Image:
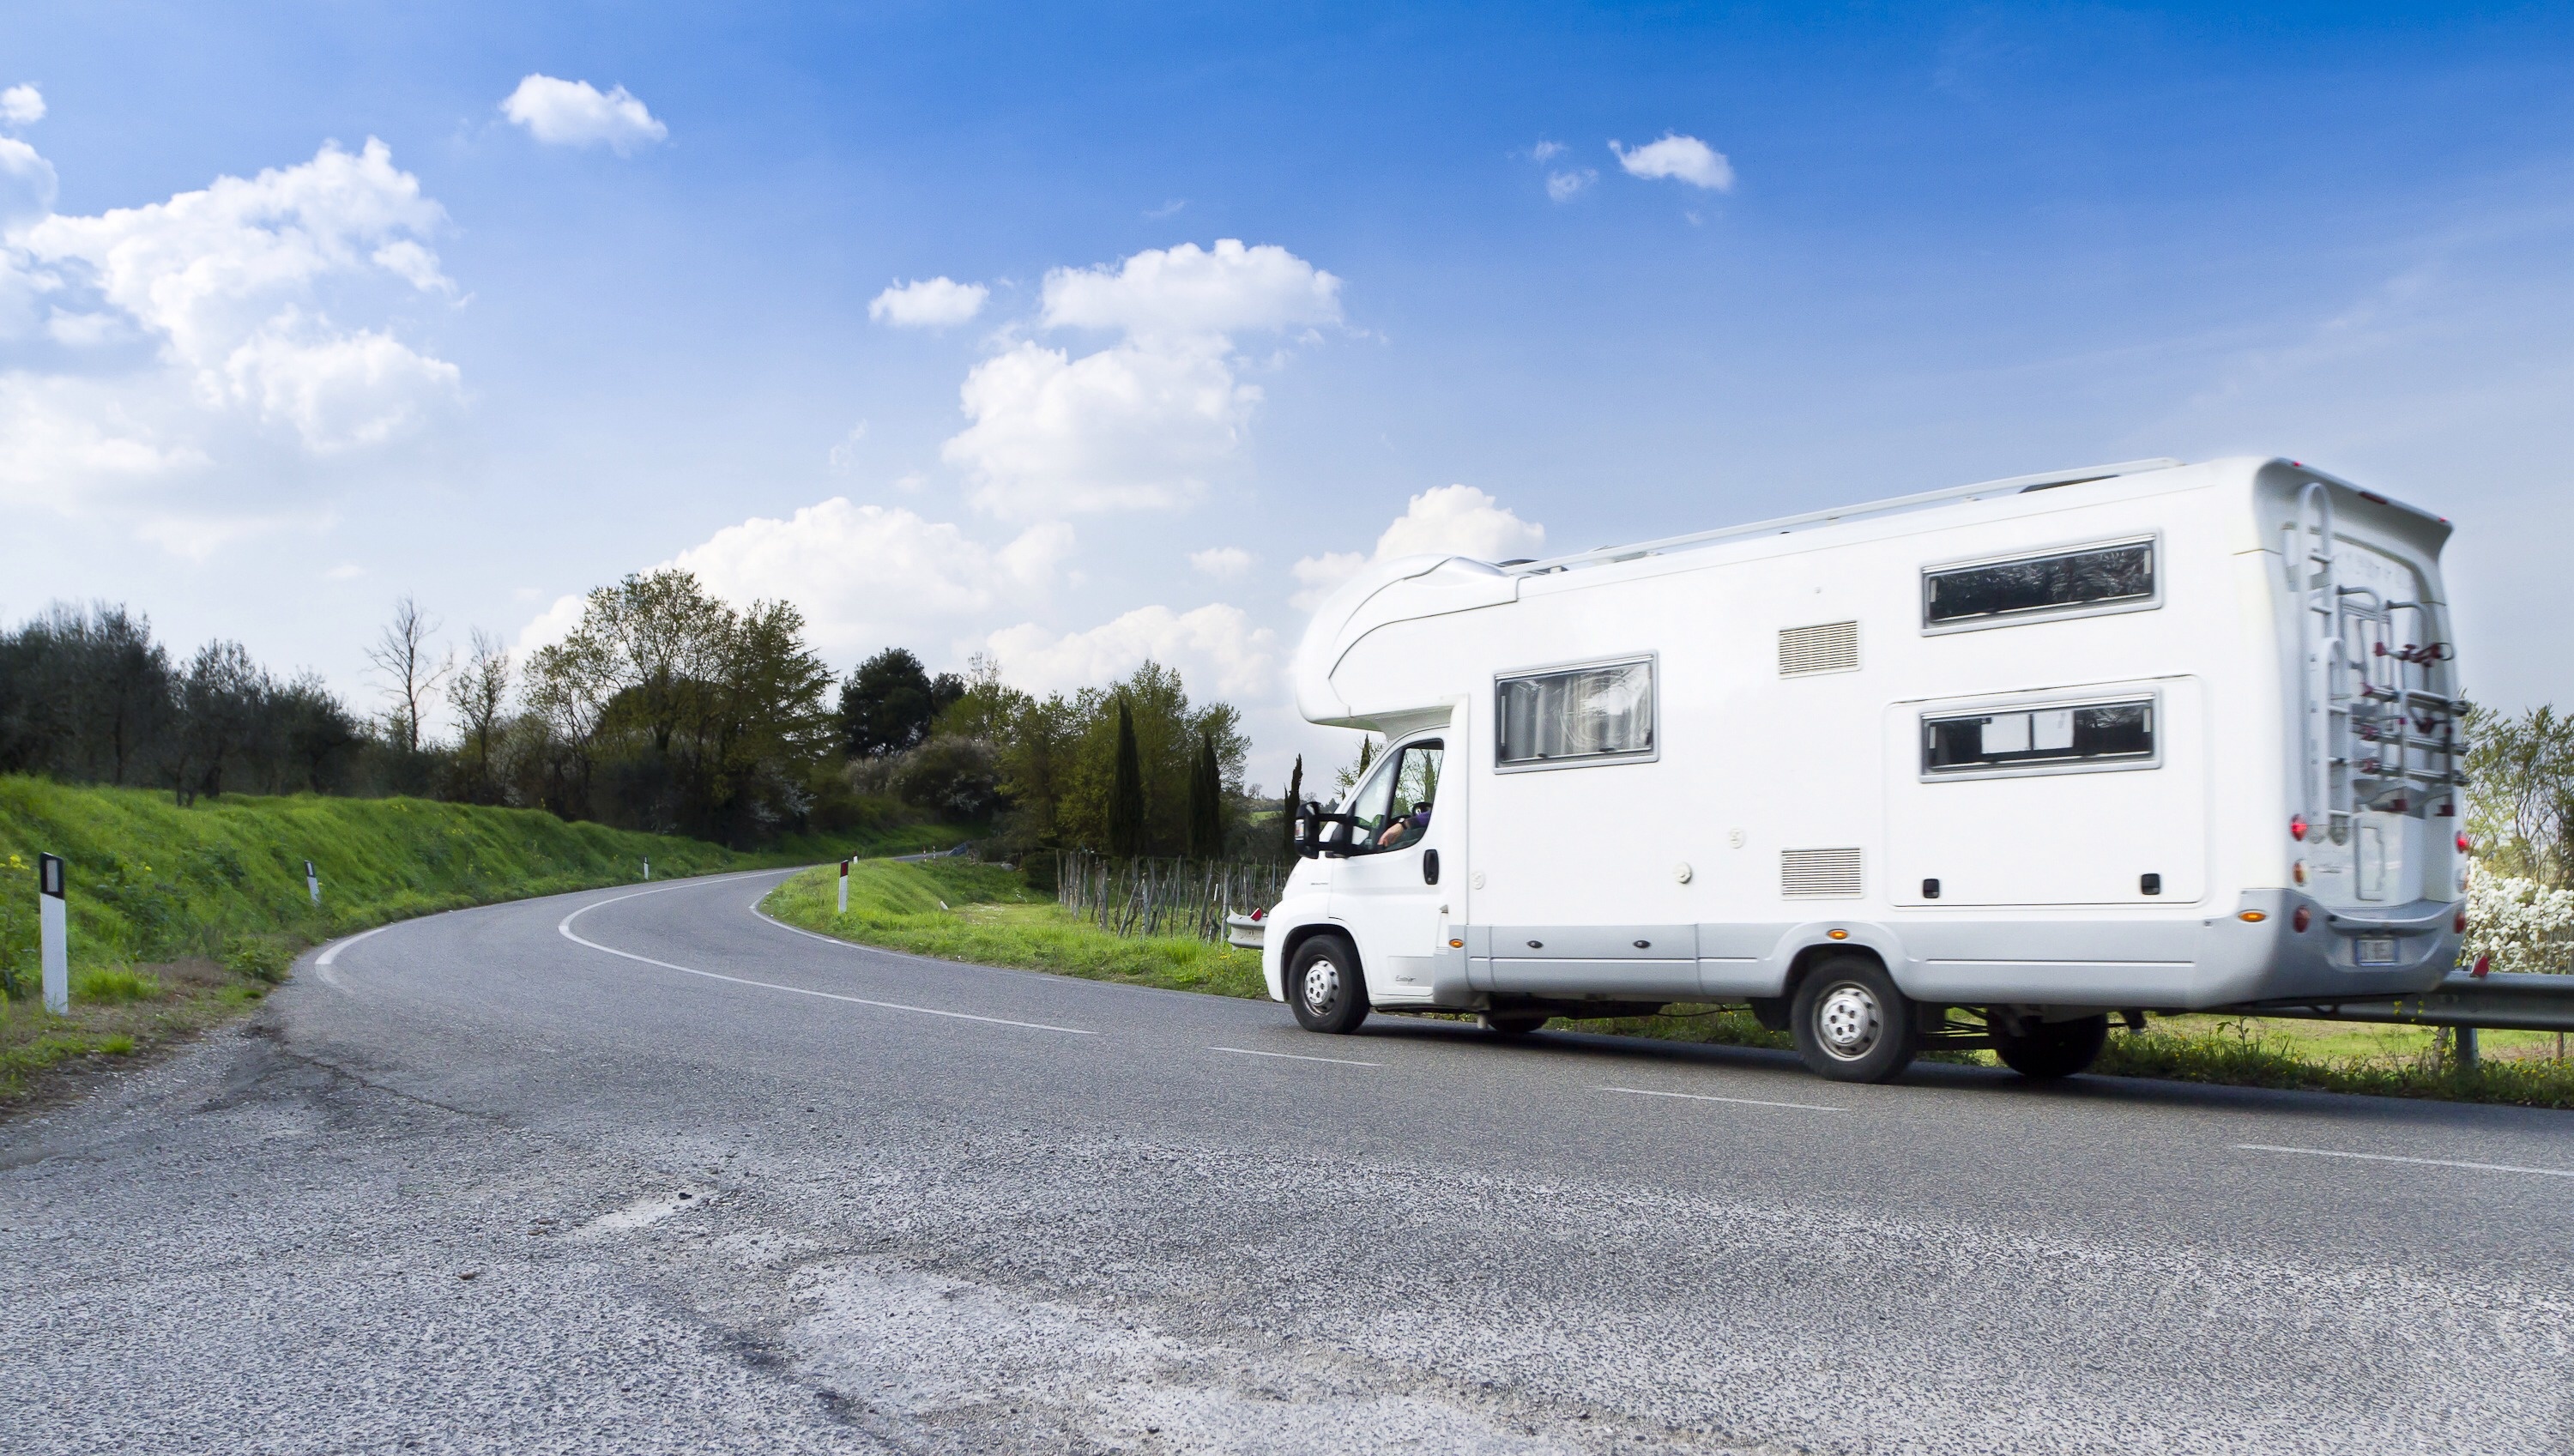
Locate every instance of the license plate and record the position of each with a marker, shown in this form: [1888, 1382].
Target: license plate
[2377, 951]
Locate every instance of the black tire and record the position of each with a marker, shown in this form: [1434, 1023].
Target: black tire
[1326, 988]
[1510, 1023]
[2052, 1049]
[1850, 1023]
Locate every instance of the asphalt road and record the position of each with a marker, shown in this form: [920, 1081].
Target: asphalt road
[637, 1170]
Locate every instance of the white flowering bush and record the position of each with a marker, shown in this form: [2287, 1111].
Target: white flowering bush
[2522, 924]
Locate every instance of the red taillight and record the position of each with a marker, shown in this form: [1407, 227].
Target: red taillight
[2297, 828]
[2483, 964]
[2462, 843]
[2302, 918]
[2458, 921]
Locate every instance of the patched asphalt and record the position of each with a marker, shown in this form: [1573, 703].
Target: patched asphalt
[481, 1186]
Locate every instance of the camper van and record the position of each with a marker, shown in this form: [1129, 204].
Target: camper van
[1982, 767]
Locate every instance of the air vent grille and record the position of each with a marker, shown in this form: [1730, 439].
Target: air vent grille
[1819, 873]
[1832, 647]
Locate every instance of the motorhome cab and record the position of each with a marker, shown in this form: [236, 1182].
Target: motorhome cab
[1984, 766]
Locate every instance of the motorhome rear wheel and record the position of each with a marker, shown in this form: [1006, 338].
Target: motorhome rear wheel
[2052, 1049]
[1326, 986]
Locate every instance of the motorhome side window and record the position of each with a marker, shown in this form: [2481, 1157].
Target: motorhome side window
[2060, 583]
[2102, 733]
[1590, 714]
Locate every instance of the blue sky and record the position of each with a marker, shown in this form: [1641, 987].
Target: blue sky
[500, 361]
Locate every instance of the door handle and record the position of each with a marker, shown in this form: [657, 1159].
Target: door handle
[1429, 867]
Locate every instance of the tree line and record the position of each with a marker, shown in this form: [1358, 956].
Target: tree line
[664, 709]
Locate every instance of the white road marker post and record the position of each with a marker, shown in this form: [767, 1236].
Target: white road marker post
[54, 933]
[844, 887]
[313, 883]
[648, 871]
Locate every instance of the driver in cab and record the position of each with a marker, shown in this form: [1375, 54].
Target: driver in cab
[1407, 830]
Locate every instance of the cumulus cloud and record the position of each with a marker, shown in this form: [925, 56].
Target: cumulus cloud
[868, 574]
[1680, 158]
[1449, 519]
[1566, 186]
[576, 114]
[1221, 560]
[189, 338]
[1150, 418]
[1545, 151]
[1190, 293]
[1215, 648]
[22, 106]
[931, 303]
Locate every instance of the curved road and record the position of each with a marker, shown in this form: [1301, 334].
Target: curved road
[640, 1170]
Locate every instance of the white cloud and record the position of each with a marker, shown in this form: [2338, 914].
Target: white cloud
[868, 574]
[1150, 420]
[1683, 159]
[931, 303]
[1566, 186]
[188, 337]
[844, 456]
[22, 106]
[549, 626]
[1221, 561]
[576, 114]
[1446, 521]
[1192, 292]
[1138, 425]
[1215, 648]
[1545, 151]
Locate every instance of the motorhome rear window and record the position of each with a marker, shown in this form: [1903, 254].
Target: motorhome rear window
[2034, 586]
[2095, 733]
[1587, 714]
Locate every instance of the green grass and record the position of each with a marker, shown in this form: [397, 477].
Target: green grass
[180, 917]
[985, 913]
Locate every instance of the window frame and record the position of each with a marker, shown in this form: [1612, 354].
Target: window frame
[1653, 664]
[2152, 698]
[1392, 767]
[2152, 541]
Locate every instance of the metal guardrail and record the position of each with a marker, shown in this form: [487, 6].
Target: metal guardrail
[2496, 1003]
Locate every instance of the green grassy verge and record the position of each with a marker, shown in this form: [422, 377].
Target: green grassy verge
[183, 916]
[986, 913]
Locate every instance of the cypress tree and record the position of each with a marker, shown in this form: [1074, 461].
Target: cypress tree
[1206, 804]
[1295, 792]
[1126, 790]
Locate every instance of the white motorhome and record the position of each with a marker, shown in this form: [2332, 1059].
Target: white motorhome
[1979, 768]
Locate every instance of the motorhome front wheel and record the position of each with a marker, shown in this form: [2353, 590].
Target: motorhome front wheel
[1326, 988]
[1851, 1025]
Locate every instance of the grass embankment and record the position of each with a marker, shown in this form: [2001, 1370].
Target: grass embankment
[2517, 1068]
[987, 914]
[183, 916]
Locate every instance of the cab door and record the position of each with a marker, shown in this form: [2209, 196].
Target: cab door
[1392, 892]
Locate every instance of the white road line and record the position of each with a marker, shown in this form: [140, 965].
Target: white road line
[1704, 1098]
[1293, 1057]
[2388, 1157]
[331, 953]
[565, 926]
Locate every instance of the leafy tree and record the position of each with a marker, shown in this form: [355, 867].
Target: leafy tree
[479, 694]
[1206, 804]
[890, 702]
[2520, 796]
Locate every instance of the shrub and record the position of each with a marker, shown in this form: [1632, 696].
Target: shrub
[115, 984]
[259, 957]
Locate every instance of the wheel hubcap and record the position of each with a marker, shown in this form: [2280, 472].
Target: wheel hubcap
[1850, 1021]
[1322, 986]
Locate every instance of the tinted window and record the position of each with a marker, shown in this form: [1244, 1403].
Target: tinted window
[2100, 732]
[1585, 713]
[2109, 573]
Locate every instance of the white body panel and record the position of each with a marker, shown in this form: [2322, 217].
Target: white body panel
[1672, 875]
